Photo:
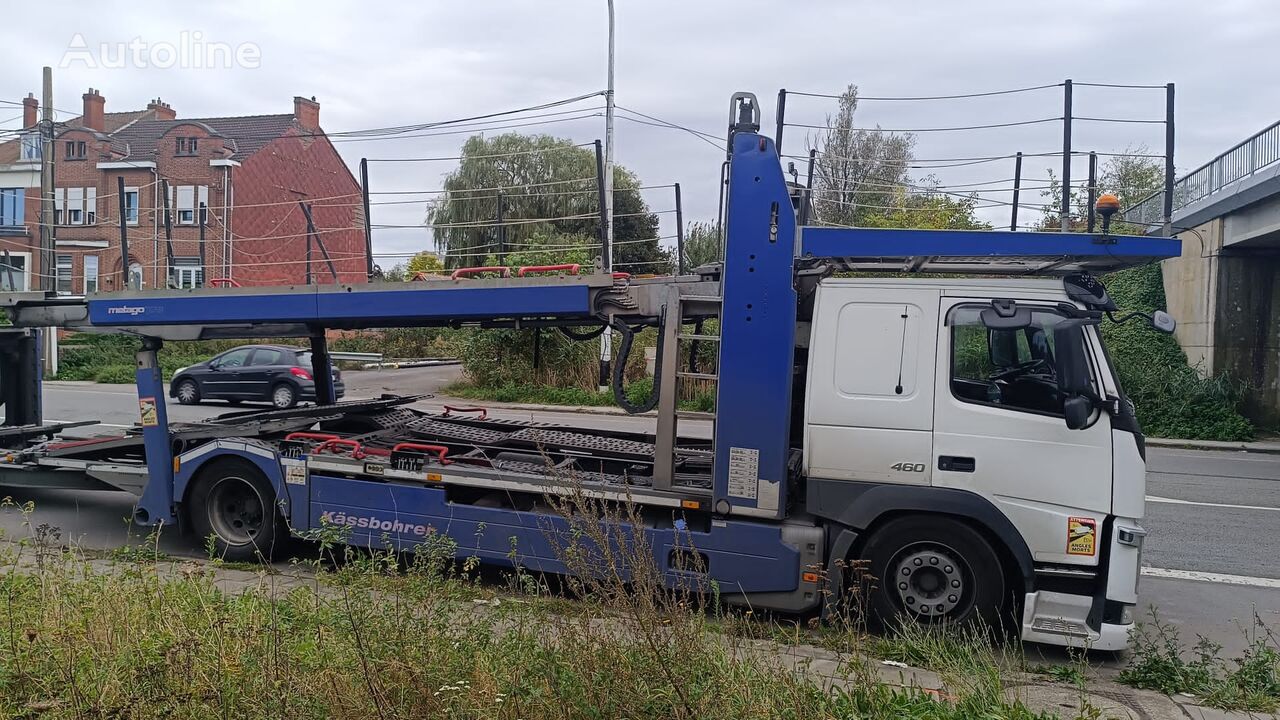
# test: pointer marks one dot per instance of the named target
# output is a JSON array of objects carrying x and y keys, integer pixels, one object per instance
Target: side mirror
[
  {"x": 1072, "y": 364},
  {"x": 1076, "y": 411},
  {"x": 1163, "y": 321}
]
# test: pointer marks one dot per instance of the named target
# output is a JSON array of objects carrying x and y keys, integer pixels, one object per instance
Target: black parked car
[{"x": 277, "y": 374}]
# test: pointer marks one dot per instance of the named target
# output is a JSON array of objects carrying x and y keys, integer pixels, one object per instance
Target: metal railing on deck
[{"x": 1242, "y": 160}]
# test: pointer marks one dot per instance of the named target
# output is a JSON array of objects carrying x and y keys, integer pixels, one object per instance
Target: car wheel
[
  {"x": 932, "y": 570},
  {"x": 233, "y": 503},
  {"x": 283, "y": 396},
  {"x": 188, "y": 392}
]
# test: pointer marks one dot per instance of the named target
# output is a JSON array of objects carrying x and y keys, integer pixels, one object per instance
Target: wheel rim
[
  {"x": 931, "y": 581},
  {"x": 187, "y": 392},
  {"x": 237, "y": 510},
  {"x": 282, "y": 397}
]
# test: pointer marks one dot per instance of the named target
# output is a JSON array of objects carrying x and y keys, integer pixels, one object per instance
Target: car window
[
  {"x": 234, "y": 358},
  {"x": 1012, "y": 368},
  {"x": 268, "y": 356},
  {"x": 304, "y": 359}
]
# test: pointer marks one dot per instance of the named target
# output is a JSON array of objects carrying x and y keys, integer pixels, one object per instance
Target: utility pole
[
  {"x": 606, "y": 338},
  {"x": 48, "y": 281},
  {"x": 48, "y": 271}
]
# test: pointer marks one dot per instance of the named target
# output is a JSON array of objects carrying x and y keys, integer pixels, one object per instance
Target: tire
[
  {"x": 933, "y": 570},
  {"x": 283, "y": 396},
  {"x": 188, "y": 392},
  {"x": 234, "y": 503}
]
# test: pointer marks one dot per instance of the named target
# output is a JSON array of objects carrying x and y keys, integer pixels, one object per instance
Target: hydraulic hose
[
  {"x": 589, "y": 335},
  {"x": 620, "y": 367}
]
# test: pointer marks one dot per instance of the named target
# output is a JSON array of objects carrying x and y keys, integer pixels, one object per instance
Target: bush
[
  {"x": 116, "y": 374},
  {"x": 1171, "y": 398}
]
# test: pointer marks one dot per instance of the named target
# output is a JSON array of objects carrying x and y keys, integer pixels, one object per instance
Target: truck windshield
[{"x": 1011, "y": 368}]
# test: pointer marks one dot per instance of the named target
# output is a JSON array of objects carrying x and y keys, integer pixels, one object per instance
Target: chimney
[
  {"x": 93, "y": 105},
  {"x": 307, "y": 112},
  {"x": 30, "y": 111},
  {"x": 161, "y": 109}
]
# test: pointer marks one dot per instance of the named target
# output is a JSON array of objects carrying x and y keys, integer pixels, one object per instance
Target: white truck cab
[{"x": 948, "y": 395}]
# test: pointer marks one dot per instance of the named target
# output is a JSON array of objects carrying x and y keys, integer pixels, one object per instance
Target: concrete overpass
[{"x": 1224, "y": 289}]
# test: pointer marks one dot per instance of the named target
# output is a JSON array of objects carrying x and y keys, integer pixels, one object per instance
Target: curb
[{"x": 1260, "y": 448}]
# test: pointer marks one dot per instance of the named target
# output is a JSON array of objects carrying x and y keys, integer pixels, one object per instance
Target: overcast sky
[{"x": 380, "y": 64}]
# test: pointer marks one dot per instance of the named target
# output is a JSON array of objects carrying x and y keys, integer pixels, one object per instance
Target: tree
[
  {"x": 423, "y": 262},
  {"x": 928, "y": 209},
  {"x": 701, "y": 244},
  {"x": 1130, "y": 176},
  {"x": 548, "y": 190},
  {"x": 858, "y": 173}
]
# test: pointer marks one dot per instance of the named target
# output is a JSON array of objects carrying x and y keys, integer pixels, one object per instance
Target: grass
[
  {"x": 389, "y": 636},
  {"x": 1161, "y": 661}
]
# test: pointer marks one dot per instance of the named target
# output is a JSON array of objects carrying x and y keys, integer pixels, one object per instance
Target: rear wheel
[
  {"x": 283, "y": 396},
  {"x": 933, "y": 570},
  {"x": 233, "y": 503},
  {"x": 188, "y": 392}
]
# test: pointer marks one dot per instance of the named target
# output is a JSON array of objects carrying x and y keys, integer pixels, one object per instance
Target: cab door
[{"x": 999, "y": 432}]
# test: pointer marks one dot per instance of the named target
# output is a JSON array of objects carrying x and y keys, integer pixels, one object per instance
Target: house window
[
  {"x": 131, "y": 205},
  {"x": 185, "y": 199},
  {"x": 31, "y": 147},
  {"x": 11, "y": 204},
  {"x": 75, "y": 150},
  {"x": 90, "y": 274},
  {"x": 63, "y": 277},
  {"x": 75, "y": 206},
  {"x": 186, "y": 146},
  {"x": 13, "y": 271},
  {"x": 91, "y": 206},
  {"x": 187, "y": 272}
]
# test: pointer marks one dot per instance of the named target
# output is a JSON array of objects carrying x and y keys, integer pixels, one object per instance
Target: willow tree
[{"x": 546, "y": 189}]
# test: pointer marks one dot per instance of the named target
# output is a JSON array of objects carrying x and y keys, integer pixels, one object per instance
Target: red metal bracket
[
  {"x": 357, "y": 450},
  {"x": 468, "y": 272},
  {"x": 322, "y": 437},
  {"x": 571, "y": 268},
  {"x": 440, "y": 450},
  {"x": 223, "y": 282}
]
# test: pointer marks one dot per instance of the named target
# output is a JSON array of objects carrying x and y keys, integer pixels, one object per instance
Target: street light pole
[{"x": 606, "y": 339}]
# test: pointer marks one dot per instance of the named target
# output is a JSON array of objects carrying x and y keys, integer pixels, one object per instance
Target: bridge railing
[{"x": 1242, "y": 160}]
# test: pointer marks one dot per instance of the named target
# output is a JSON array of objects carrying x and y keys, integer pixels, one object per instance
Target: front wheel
[
  {"x": 188, "y": 392},
  {"x": 933, "y": 570},
  {"x": 233, "y": 504},
  {"x": 283, "y": 396}
]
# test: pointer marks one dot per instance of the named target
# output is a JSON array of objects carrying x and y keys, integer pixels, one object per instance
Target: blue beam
[
  {"x": 338, "y": 306},
  {"x": 827, "y": 242}
]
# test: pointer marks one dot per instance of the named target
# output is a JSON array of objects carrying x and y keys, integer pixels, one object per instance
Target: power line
[
  {"x": 935, "y": 129},
  {"x": 932, "y": 97}
]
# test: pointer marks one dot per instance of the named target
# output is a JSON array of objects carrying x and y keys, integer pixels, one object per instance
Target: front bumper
[{"x": 1061, "y": 619}]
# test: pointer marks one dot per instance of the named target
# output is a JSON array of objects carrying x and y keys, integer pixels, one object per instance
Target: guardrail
[
  {"x": 1244, "y": 159},
  {"x": 356, "y": 357}
]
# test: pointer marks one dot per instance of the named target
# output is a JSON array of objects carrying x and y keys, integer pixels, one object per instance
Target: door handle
[{"x": 954, "y": 463}]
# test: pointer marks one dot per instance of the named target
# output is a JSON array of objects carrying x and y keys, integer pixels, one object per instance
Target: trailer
[{"x": 966, "y": 439}]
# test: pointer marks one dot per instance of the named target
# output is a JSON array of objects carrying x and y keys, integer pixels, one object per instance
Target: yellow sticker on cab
[{"x": 1082, "y": 536}]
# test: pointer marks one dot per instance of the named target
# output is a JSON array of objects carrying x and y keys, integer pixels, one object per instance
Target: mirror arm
[{"x": 1122, "y": 320}]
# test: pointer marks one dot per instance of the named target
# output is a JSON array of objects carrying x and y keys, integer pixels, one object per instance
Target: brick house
[{"x": 249, "y": 173}]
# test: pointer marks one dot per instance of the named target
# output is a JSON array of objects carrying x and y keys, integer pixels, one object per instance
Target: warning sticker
[
  {"x": 147, "y": 408},
  {"x": 1082, "y": 536},
  {"x": 295, "y": 473},
  {"x": 744, "y": 472}
]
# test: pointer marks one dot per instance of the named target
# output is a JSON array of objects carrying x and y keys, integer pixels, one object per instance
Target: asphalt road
[{"x": 1211, "y": 561}]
